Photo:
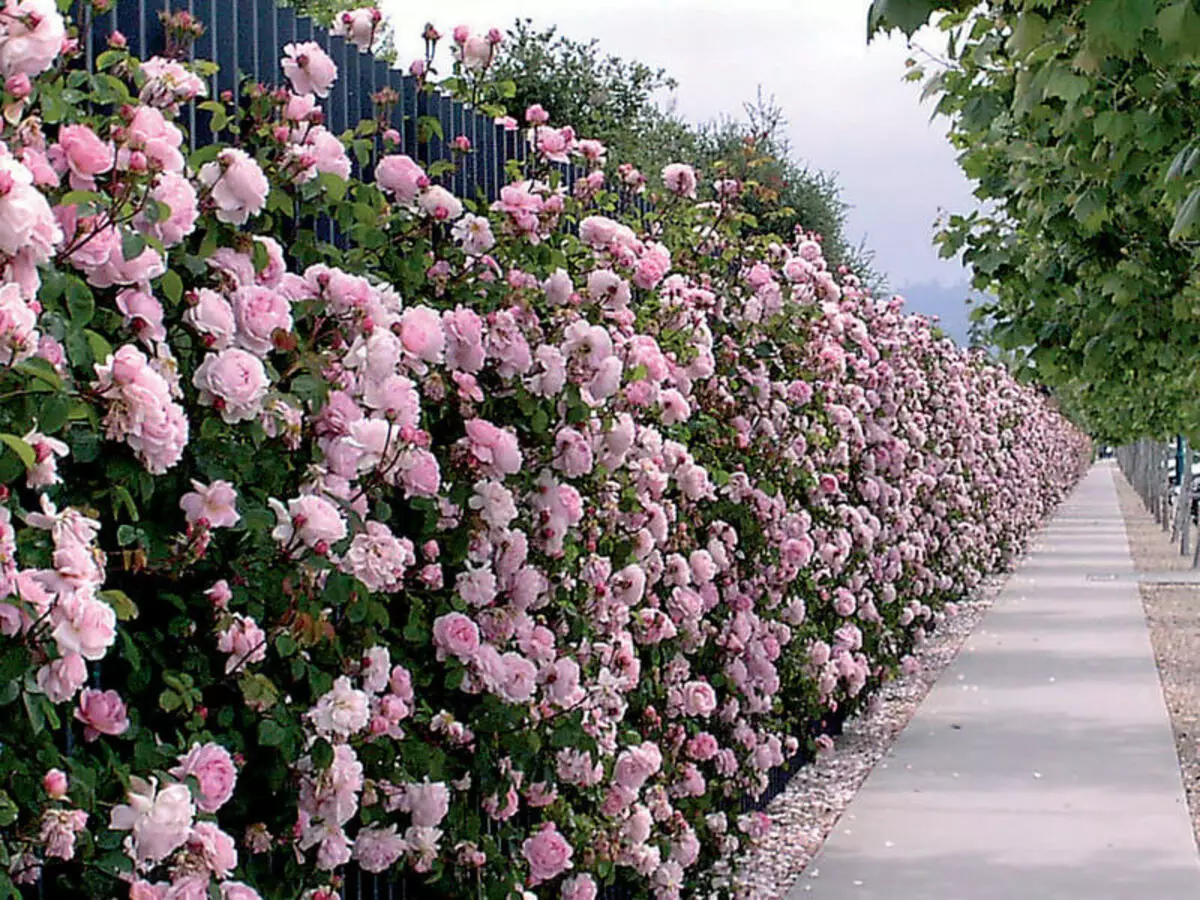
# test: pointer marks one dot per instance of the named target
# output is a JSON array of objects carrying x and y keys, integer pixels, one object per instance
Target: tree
[{"x": 1078, "y": 123}]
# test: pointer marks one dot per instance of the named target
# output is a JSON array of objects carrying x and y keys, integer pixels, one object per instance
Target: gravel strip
[
  {"x": 1173, "y": 613},
  {"x": 808, "y": 809}
]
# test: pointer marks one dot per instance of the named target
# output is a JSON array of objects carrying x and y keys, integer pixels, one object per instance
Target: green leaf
[
  {"x": 259, "y": 256},
  {"x": 18, "y": 446},
  {"x": 8, "y": 810},
  {"x": 53, "y": 414},
  {"x": 172, "y": 286},
  {"x": 122, "y": 605},
  {"x": 132, "y": 245},
  {"x": 322, "y": 754},
  {"x": 907, "y": 15},
  {"x": 14, "y": 662},
  {"x": 1118, "y": 25},
  {"x": 1179, "y": 28},
  {"x": 42, "y": 370},
  {"x": 1185, "y": 217},
  {"x": 271, "y": 733},
  {"x": 99, "y": 345},
  {"x": 81, "y": 305}
]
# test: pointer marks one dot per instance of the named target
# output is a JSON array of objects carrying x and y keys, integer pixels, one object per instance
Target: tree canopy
[{"x": 1078, "y": 122}]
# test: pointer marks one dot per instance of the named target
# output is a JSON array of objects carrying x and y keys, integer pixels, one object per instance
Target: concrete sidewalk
[{"x": 1041, "y": 766}]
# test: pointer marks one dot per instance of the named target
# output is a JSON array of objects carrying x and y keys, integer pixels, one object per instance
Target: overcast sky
[{"x": 848, "y": 108}]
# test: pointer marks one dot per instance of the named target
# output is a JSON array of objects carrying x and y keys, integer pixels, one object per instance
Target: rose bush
[{"x": 498, "y": 546}]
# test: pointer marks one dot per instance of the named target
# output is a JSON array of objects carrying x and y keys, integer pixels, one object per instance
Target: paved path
[{"x": 1041, "y": 766}]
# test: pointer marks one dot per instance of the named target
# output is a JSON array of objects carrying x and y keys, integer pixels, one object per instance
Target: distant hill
[{"x": 947, "y": 302}]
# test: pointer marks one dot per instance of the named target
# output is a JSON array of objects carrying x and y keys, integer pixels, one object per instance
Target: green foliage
[{"x": 1078, "y": 121}]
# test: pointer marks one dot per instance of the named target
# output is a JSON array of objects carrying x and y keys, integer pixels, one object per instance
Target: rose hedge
[{"x": 494, "y": 547}]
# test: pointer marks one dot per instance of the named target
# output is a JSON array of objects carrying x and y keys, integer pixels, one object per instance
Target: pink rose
[
  {"x": 438, "y": 203},
  {"x": 54, "y": 782},
  {"x": 548, "y": 854},
  {"x": 215, "y": 503},
  {"x": 400, "y": 176},
  {"x": 60, "y": 679},
  {"x": 259, "y": 312},
  {"x": 101, "y": 712},
  {"x": 421, "y": 333},
  {"x": 377, "y": 849},
  {"x": 579, "y": 887},
  {"x": 238, "y": 186},
  {"x": 455, "y": 634},
  {"x": 235, "y": 382},
  {"x": 33, "y": 36},
  {"x": 143, "y": 313},
  {"x": 572, "y": 453},
  {"x": 309, "y": 68},
  {"x": 212, "y": 316},
  {"x": 699, "y": 699},
  {"x": 83, "y": 154},
  {"x": 680, "y": 179},
  {"x": 495, "y": 448},
  {"x": 83, "y": 624},
  {"x": 427, "y": 802},
  {"x": 463, "y": 330},
  {"x": 213, "y": 768}
]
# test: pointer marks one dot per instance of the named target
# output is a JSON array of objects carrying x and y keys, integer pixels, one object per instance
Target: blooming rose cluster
[{"x": 500, "y": 544}]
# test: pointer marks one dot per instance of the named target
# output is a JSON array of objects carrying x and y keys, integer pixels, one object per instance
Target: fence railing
[
  {"x": 1160, "y": 472},
  {"x": 245, "y": 38}
]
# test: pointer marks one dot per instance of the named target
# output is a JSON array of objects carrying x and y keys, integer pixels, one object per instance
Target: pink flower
[
  {"x": 214, "y": 849},
  {"x": 159, "y": 822},
  {"x": 358, "y": 27},
  {"x": 699, "y": 699},
  {"x": 680, "y": 179},
  {"x": 238, "y": 186},
  {"x": 400, "y": 176},
  {"x": 456, "y": 635},
  {"x": 309, "y": 68},
  {"x": 80, "y": 152},
  {"x": 342, "y": 710},
  {"x": 47, "y": 451},
  {"x": 421, "y": 333},
  {"x": 313, "y": 520},
  {"x": 143, "y": 313},
  {"x": 438, "y": 203},
  {"x": 31, "y": 37},
  {"x": 212, "y": 766},
  {"x": 427, "y": 802},
  {"x": 54, "y": 782},
  {"x": 548, "y": 854},
  {"x": 60, "y": 679},
  {"x": 579, "y": 887},
  {"x": 101, "y": 712},
  {"x": 212, "y": 316},
  {"x": 378, "y": 558},
  {"x": 216, "y": 504},
  {"x": 58, "y": 831},
  {"x": 235, "y": 382},
  {"x": 497, "y": 450},
  {"x": 463, "y": 331},
  {"x": 572, "y": 453},
  {"x": 259, "y": 312},
  {"x": 83, "y": 624},
  {"x": 377, "y": 849},
  {"x": 244, "y": 641}
]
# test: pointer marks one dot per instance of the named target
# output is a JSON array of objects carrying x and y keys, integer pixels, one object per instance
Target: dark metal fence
[{"x": 246, "y": 39}]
